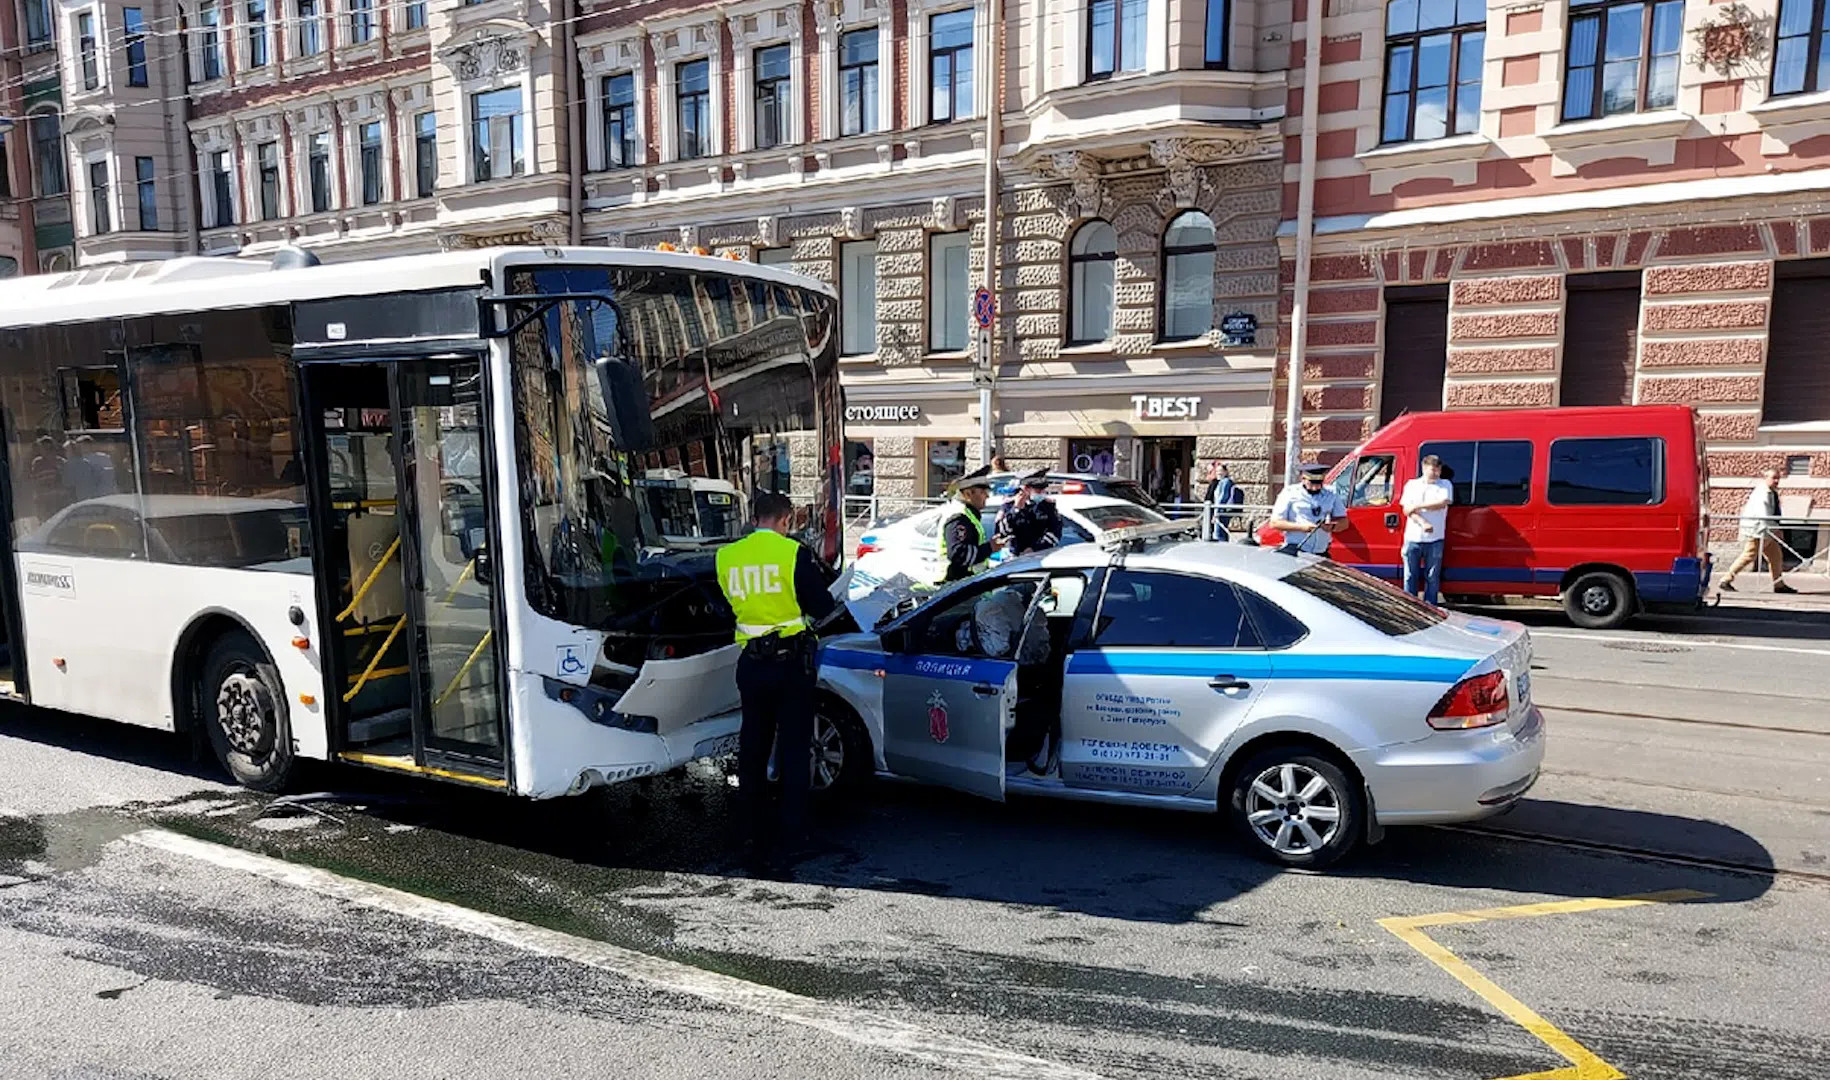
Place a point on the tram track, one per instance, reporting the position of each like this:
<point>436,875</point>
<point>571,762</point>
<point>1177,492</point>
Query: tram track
<point>1732,725</point>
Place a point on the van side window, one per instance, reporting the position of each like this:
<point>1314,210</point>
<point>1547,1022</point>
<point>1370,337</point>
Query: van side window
<point>1607,472</point>
<point>1485,473</point>
<point>1372,481</point>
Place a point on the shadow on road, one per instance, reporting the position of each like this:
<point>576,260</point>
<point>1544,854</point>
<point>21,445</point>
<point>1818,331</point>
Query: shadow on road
<point>1733,621</point>
<point>503,854</point>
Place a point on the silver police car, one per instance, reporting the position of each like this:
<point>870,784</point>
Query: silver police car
<point>1310,704</point>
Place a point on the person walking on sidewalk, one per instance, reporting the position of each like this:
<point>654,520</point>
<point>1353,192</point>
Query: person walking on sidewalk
<point>1758,519</point>
<point>1425,503</point>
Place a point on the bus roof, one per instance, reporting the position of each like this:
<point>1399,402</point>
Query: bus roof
<point>124,290</point>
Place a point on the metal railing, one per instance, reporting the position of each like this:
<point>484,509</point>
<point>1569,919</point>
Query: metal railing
<point>1784,531</point>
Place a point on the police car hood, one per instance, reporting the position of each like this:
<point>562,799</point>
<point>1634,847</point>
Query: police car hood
<point>868,607</point>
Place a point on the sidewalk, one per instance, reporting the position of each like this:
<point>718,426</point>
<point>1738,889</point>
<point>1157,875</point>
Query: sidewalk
<point>1753,593</point>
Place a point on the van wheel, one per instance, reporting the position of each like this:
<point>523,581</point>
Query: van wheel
<point>242,708</point>
<point>1296,807</point>
<point>1599,600</point>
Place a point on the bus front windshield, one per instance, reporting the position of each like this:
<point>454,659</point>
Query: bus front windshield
<point>629,404</point>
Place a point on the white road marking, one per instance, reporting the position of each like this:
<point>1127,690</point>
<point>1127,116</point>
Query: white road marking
<point>1694,642</point>
<point>854,1025</point>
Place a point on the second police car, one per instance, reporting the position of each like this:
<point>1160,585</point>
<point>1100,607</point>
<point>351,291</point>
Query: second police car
<point>1309,704</point>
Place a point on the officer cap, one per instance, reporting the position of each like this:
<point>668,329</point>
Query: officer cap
<point>1315,469</point>
<point>1037,481</point>
<point>979,477</point>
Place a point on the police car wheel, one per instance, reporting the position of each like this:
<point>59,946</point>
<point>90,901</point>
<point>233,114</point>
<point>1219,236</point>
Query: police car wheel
<point>1296,807</point>
<point>841,750</point>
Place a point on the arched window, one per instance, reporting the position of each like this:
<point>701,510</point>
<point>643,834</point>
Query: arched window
<point>1091,259</point>
<point>1188,276</point>
<point>1433,53</point>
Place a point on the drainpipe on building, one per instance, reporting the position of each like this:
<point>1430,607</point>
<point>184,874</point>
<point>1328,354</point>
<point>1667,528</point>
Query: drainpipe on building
<point>1305,237</point>
<point>187,153</point>
<point>575,128</point>
<point>994,133</point>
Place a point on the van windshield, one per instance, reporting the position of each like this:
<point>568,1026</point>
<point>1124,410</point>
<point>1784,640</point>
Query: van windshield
<point>1373,602</point>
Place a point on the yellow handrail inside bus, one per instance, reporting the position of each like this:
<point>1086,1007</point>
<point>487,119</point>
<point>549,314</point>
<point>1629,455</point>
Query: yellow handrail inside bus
<point>370,672</point>
<point>475,655</point>
<point>369,583</point>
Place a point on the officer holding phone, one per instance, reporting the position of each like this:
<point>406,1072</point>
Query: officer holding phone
<point>1308,514</point>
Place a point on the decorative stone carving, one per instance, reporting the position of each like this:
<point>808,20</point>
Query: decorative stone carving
<point>943,215</point>
<point>1181,183</point>
<point>1732,40</point>
<point>615,240</point>
<point>851,223</point>
<point>689,237</point>
<point>768,231</point>
<point>543,232</point>
<point>486,56</point>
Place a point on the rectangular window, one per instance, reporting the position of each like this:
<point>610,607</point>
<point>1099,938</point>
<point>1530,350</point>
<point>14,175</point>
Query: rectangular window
<point>148,191</point>
<point>48,152</point>
<point>1623,57</point>
<point>361,20</point>
<point>1218,12</point>
<point>1115,36</point>
<point>495,136</point>
<point>620,148</point>
<point>99,220</point>
<point>1416,350</point>
<point>222,190</point>
<point>1366,482</point>
<point>1172,611</point>
<point>133,34</point>
<point>85,51</point>
<point>693,105</point>
<point>860,468</point>
<point>858,82</point>
<point>317,166</point>
<point>1485,473</point>
<point>416,15</point>
<point>311,32</point>
<point>948,256</point>
<point>1798,53</point>
<point>945,462</point>
<point>1433,56</point>
<point>858,297</point>
<point>1095,457</point>
<point>257,33</point>
<point>209,41</point>
<point>425,153</point>
<point>369,137</point>
<point>774,96</point>
<point>780,256</point>
<point>1601,339</point>
<point>1797,378</point>
<point>269,157</point>
<point>6,170</point>
<point>1383,607</point>
<point>38,36</point>
<point>1607,472</point>
<point>950,66</point>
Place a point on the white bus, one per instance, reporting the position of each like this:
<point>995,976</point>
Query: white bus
<point>390,513</point>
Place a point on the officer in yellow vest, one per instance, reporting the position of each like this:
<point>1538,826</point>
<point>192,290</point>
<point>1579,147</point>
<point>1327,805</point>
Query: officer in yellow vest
<point>776,589</point>
<point>965,545</point>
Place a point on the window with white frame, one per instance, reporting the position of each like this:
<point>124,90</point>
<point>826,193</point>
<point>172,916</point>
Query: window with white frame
<point>416,15</point>
<point>858,298</point>
<point>267,156</point>
<point>257,33</point>
<point>317,170</point>
<point>620,147</point>
<point>1434,50</point>
<point>1115,36</point>
<point>311,27</point>
<point>1188,277</point>
<point>495,134</point>
<point>219,175</point>
<point>368,138</point>
<point>1092,260</point>
<point>693,108</point>
<point>858,113</point>
<point>209,41</point>
<point>133,40</point>
<point>949,255</point>
<point>425,153</point>
<point>86,59</point>
<point>99,221</point>
<point>361,20</point>
<point>1623,57</point>
<point>950,66</point>
<point>774,95</point>
<point>146,186</point>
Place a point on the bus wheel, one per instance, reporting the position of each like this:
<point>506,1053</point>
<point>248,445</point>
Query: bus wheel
<point>240,703</point>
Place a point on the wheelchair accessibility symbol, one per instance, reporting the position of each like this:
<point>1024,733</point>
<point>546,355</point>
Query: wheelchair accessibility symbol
<point>571,661</point>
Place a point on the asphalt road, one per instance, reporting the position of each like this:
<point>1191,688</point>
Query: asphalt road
<point>156,923</point>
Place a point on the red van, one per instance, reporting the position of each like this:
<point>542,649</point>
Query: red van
<point>1605,507</point>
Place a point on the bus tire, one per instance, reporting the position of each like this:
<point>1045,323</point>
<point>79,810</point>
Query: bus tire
<point>1599,600</point>
<point>242,706</point>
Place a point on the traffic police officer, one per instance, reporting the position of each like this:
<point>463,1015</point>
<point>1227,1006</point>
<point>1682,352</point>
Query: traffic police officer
<point>777,591</point>
<point>965,549</point>
<point>1030,521</point>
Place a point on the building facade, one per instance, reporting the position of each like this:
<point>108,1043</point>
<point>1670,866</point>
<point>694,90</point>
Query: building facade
<point>1541,202</point>
<point>36,232</point>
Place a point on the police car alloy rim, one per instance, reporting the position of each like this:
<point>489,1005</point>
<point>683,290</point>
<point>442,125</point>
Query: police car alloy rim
<point>828,753</point>
<point>1293,809</point>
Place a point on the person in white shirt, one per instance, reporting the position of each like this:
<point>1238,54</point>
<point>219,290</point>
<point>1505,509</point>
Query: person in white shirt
<point>1425,503</point>
<point>1308,514</point>
<point>1758,517</point>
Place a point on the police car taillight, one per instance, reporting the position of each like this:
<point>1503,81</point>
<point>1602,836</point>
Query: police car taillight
<point>1475,702</point>
<point>866,546</point>
<point>1073,487</point>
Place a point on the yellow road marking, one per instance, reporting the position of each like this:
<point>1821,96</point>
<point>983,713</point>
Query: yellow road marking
<point>1583,1063</point>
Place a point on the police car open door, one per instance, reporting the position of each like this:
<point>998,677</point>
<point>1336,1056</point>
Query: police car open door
<point>950,689</point>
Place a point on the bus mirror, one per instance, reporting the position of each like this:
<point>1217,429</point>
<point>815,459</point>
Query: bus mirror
<point>626,405</point>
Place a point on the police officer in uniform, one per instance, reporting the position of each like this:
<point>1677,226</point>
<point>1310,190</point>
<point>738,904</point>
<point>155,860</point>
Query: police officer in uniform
<point>1031,521</point>
<point>964,546</point>
<point>777,591</point>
